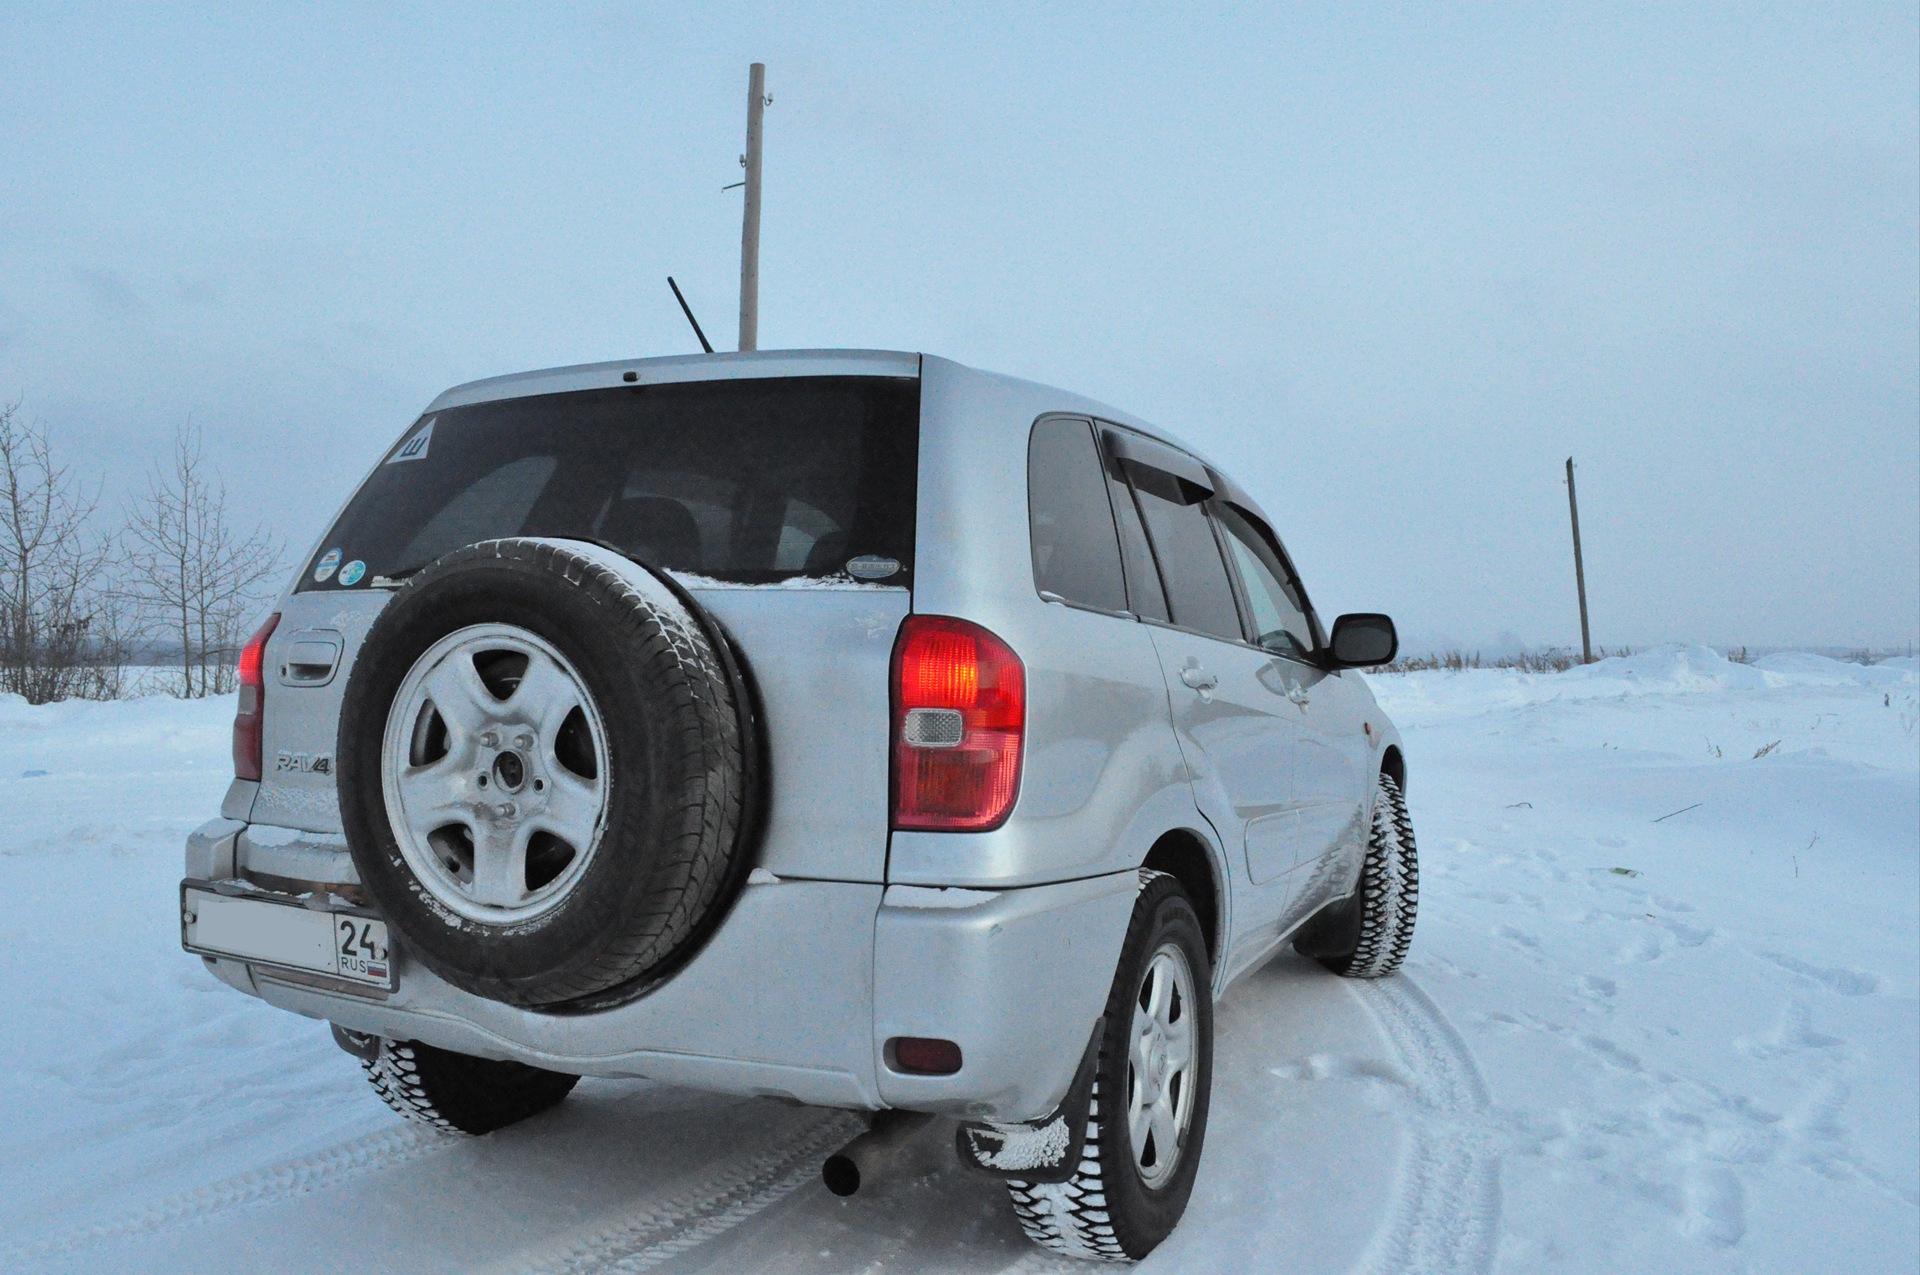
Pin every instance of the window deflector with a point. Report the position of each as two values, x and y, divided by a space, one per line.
1134 449
1288 578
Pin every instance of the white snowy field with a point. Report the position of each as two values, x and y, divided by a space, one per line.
1662 1014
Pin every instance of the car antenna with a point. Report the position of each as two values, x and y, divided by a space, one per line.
688 311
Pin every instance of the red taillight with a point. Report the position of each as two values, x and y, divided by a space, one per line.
248 721
959 711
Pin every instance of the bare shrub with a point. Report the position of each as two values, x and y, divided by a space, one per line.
1454 660
1551 659
60 631
194 579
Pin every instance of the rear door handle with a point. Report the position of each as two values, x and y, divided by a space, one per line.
312 656
1198 678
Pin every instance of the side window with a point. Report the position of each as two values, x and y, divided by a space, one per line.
1198 589
1279 614
1075 554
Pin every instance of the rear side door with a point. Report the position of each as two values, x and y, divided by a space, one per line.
1238 734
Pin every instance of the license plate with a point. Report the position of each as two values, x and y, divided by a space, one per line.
266 932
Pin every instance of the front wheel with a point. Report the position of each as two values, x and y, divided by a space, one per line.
1369 936
1148 1118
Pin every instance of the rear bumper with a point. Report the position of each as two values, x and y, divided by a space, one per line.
796 994
1016 977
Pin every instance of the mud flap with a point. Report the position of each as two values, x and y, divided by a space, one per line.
1043 1150
1333 931
361 1045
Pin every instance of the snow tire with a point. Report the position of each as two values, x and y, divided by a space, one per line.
456 1093
1106 1211
1380 920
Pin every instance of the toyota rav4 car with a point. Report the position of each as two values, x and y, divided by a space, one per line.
852 727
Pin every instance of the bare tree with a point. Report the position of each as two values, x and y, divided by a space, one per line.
195 579
59 630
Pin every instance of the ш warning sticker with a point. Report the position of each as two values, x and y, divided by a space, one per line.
415 448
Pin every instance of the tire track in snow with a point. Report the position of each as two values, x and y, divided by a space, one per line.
1445 1214
301 1175
1041 1262
662 1229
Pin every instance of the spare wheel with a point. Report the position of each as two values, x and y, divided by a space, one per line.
544 769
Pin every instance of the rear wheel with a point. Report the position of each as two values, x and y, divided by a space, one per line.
458 1093
1148 1119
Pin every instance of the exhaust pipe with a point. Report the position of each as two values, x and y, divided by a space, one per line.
875 1153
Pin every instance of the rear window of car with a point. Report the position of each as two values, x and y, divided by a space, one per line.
753 481
1076 556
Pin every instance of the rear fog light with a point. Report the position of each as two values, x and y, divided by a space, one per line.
923 1056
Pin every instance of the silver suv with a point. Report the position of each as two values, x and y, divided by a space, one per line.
852 727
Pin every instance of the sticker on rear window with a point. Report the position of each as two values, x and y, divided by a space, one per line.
329 561
872 567
351 573
414 448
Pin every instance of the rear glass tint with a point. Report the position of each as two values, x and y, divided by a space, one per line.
746 480
1196 576
1075 554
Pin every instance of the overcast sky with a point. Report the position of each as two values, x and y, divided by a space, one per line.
1389 269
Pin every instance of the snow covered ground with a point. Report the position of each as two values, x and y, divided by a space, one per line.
1662 1014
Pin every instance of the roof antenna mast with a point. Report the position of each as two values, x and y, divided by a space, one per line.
688 311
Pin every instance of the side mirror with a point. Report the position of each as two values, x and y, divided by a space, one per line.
1362 640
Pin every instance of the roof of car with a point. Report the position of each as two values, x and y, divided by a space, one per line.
682 367
673 368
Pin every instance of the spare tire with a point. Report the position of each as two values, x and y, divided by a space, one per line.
544 766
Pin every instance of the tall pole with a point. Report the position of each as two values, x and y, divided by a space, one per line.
1579 569
750 220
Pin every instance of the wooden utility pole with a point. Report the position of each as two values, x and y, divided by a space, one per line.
750 220
1579 569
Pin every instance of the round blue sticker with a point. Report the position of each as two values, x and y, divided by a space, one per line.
351 573
325 568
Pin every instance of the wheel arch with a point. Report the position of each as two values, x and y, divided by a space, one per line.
1393 764
1188 858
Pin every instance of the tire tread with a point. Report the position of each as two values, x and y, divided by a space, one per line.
1389 894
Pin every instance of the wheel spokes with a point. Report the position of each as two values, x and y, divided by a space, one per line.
545 697
1138 1053
500 865
573 809
1179 1046
1165 1127
462 698
1139 1121
1159 989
